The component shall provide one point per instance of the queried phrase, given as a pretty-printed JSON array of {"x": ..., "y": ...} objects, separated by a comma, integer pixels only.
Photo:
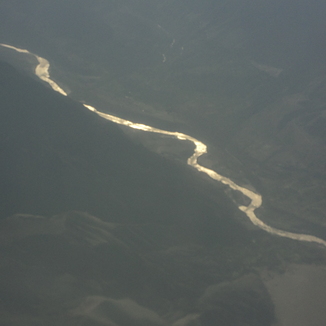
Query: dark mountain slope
[
  {"x": 57, "y": 156},
  {"x": 155, "y": 237},
  {"x": 94, "y": 227},
  {"x": 246, "y": 77}
]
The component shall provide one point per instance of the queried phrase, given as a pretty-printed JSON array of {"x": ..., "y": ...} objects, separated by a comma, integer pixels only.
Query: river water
[{"x": 42, "y": 72}]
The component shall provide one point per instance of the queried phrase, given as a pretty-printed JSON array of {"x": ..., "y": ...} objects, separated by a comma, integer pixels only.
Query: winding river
[{"x": 42, "y": 72}]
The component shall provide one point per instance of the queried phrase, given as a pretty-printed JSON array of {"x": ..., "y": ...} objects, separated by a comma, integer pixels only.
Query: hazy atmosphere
[{"x": 163, "y": 163}]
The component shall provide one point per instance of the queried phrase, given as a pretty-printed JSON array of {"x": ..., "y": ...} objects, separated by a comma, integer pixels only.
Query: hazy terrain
[
  {"x": 245, "y": 77},
  {"x": 113, "y": 228}
]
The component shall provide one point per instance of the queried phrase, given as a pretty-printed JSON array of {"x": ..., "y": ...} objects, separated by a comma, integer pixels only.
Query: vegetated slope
[{"x": 88, "y": 218}]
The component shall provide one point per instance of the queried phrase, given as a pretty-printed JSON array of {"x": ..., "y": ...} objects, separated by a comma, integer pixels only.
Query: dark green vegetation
[
  {"x": 104, "y": 219},
  {"x": 117, "y": 222},
  {"x": 247, "y": 77}
]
